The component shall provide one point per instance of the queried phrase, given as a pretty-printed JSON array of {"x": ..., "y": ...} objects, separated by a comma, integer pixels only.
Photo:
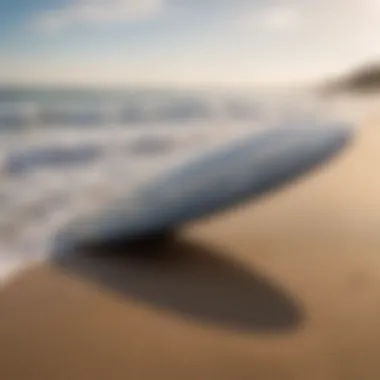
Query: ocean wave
[
  {"x": 70, "y": 110},
  {"x": 22, "y": 115}
]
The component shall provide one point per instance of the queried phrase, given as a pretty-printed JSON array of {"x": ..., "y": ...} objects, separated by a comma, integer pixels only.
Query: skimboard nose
[{"x": 209, "y": 183}]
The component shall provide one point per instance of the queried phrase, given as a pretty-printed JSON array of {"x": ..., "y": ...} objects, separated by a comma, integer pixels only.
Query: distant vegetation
[{"x": 365, "y": 79}]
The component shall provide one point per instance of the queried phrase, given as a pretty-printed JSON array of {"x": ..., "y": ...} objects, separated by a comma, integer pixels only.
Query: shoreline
[{"x": 284, "y": 288}]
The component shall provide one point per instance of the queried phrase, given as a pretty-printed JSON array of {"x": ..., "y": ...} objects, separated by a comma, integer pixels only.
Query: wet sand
[{"x": 284, "y": 288}]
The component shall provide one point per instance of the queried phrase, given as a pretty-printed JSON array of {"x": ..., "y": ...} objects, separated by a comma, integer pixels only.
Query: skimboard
[{"x": 208, "y": 183}]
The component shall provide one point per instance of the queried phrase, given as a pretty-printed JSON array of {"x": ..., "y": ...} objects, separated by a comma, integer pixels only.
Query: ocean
[{"x": 66, "y": 151}]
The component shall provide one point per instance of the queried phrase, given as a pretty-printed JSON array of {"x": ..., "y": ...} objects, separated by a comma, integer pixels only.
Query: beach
[{"x": 287, "y": 287}]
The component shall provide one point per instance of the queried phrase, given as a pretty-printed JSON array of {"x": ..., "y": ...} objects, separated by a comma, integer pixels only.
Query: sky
[{"x": 185, "y": 42}]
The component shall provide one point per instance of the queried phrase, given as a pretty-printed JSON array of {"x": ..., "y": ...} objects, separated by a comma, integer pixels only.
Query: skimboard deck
[{"x": 209, "y": 183}]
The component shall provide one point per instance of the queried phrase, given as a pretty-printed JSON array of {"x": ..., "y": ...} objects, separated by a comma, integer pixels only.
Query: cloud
[
  {"x": 99, "y": 12},
  {"x": 272, "y": 18},
  {"x": 280, "y": 18}
]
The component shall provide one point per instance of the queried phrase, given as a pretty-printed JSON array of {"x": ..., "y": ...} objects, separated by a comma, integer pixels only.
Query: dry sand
[{"x": 285, "y": 288}]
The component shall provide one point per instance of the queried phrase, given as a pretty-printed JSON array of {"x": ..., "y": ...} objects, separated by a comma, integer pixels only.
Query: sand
[{"x": 284, "y": 288}]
